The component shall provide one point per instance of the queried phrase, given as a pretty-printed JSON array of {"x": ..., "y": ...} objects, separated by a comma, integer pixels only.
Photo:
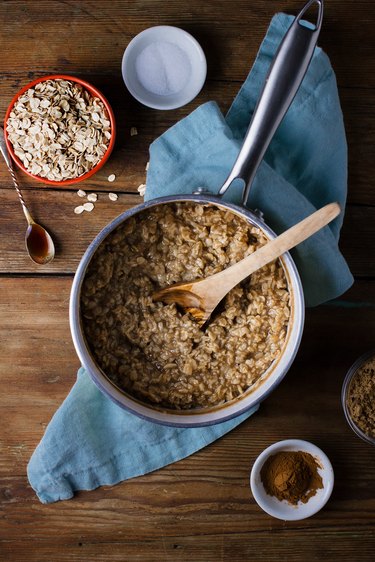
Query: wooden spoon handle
[{"x": 231, "y": 276}]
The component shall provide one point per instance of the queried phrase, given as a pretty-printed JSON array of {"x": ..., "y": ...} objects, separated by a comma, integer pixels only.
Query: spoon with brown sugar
[{"x": 202, "y": 296}]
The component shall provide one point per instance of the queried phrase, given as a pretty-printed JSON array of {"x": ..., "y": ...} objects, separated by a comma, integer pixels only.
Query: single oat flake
[
  {"x": 112, "y": 177},
  {"x": 133, "y": 131},
  {"x": 88, "y": 207},
  {"x": 78, "y": 210},
  {"x": 113, "y": 196},
  {"x": 141, "y": 189},
  {"x": 81, "y": 193},
  {"x": 92, "y": 197}
]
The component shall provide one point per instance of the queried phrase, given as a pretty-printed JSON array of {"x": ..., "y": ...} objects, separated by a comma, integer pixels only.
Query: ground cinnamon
[{"x": 291, "y": 476}]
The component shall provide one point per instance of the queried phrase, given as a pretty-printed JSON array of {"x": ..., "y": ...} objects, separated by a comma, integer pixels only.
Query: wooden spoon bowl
[{"x": 202, "y": 296}]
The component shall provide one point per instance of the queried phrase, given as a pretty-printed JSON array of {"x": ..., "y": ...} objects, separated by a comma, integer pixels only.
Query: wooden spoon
[{"x": 201, "y": 297}]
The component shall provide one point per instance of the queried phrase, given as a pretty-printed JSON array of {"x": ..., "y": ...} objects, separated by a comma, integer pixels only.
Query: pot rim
[{"x": 199, "y": 417}]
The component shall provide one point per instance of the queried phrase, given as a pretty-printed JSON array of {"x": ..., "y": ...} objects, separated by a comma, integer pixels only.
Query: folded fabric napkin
[{"x": 91, "y": 441}]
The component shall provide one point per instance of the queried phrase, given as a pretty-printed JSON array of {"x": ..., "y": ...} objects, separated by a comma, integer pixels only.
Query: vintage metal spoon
[
  {"x": 39, "y": 243},
  {"x": 201, "y": 297}
]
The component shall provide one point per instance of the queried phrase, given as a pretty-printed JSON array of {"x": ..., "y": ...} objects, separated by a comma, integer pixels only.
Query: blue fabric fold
[
  {"x": 91, "y": 441},
  {"x": 305, "y": 166}
]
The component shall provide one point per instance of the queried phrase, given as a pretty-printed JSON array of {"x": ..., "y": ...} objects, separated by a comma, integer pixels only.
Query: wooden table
[{"x": 201, "y": 508}]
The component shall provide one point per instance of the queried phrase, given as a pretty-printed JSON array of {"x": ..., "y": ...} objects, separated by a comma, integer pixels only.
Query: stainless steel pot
[{"x": 283, "y": 80}]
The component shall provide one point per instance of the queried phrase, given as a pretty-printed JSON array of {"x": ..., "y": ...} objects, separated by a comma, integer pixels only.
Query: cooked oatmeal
[{"x": 154, "y": 351}]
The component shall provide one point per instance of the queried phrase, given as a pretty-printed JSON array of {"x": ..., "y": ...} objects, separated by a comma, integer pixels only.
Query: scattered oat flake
[
  {"x": 88, "y": 206},
  {"x": 92, "y": 197},
  {"x": 81, "y": 193},
  {"x": 147, "y": 166},
  {"x": 141, "y": 189},
  {"x": 133, "y": 131},
  {"x": 78, "y": 210},
  {"x": 113, "y": 196},
  {"x": 112, "y": 177}
]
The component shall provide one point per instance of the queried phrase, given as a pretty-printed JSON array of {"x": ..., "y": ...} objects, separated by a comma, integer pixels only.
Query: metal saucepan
[{"x": 283, "y": 80}]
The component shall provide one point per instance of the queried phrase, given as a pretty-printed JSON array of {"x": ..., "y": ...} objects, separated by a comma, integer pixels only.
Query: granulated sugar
[{"x": 163, "y": 68}]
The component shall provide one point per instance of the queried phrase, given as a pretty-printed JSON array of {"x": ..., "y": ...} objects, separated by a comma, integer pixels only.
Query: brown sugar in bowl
[
  {"x": 95, "y": 93},
  {"x": 362, "y": 409}
]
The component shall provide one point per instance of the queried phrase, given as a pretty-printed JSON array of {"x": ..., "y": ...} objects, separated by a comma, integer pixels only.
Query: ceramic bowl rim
[
  {"x": 345, "y": 387},
  {"x": 92, "y": 90},
  {"x": 155, "y": 101},
  {"x": 283, "y": 510}
]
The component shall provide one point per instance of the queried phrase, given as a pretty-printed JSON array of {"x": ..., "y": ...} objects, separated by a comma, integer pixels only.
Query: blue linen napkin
[
  {"x": 304, "y": 168},
  {"x": 91, "y": 441}
]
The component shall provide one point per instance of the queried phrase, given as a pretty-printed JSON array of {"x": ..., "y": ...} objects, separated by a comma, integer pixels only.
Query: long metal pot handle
[{"x": 282, "y": 82}]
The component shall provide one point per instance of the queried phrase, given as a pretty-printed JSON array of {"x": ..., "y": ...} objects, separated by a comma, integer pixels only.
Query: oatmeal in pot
[{"x": 154, "y": 351}]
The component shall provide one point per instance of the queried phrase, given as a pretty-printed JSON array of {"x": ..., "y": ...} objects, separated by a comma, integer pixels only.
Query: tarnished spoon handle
[
  {"x": 4, "y": 150},
  {"x": 8, "y": 161},
  {"x": 282, "y": 82}
]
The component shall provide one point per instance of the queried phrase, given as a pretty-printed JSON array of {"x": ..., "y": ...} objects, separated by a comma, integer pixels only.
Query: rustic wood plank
[
  {"x": 219, "y": 471},
  {"x": 55, "y": 211},
  {"x": 205, "y": 496},
  {"x": 224, "y": 40},
  {"x": 73, "y": 233},
  {"x": 53, "y": 41},
  {"x": 357, "y": 240},
  {"x": 201, "y": 508},
  {"x": 34, "y": 331},
  {"x": 333, "y": 544},
  {"x": 131, "y": 153}
]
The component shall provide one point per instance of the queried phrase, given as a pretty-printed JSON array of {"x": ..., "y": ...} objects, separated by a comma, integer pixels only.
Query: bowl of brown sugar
[
  {"x": 358, "y": 397},
  {"x": 292, "y": 479}
]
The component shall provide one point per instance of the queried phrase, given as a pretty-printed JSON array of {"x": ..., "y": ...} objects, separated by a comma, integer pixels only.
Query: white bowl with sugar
[{"x": 164, "y": 67}]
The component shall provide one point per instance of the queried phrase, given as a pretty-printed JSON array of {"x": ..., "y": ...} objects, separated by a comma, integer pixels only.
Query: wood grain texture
[
  {"x": 131, "y": 153},
  {"x": 72, "y": 233},
  {"x": 230, "y": 41},
  {"x": 90, "y": 36},
  {"x": 54, "y": 210},
  {"x": 201, "y": 504},
  {"x": 199, "y": 509}
]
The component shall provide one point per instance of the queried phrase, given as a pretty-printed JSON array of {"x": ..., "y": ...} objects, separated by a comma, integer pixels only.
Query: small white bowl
[
  {"x": 181, "y": 60},
  {"x": 282, "y": 509}
]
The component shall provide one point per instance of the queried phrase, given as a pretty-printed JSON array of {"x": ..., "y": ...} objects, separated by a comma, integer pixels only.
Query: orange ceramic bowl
[{"x": 95, "y": 93}]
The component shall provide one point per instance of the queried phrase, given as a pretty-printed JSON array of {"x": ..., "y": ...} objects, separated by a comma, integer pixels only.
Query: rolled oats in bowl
[
  {"x": 155, "y": 352},
  {"x": 58, "y": 129}
]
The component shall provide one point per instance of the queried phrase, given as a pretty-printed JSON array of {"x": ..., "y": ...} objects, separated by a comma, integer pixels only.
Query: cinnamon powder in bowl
[
  {"x": 292, "y": 479},
  {"x": 292, "y": 476}
]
